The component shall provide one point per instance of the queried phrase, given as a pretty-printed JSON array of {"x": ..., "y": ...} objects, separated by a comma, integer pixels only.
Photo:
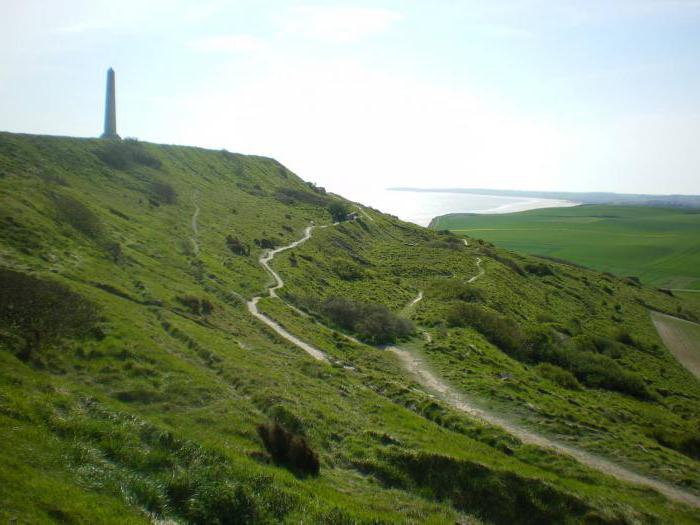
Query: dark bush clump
[
  {"x": 290, "y": 196},
  {"x": 539, "y": 269},
  {"x": 41, "y": 311},
  {"x": 122, "y": 155},
  {"x": 78, "y": 215},
  {"x": 373, "y": 322},
  {"x": 687, "y": 443},
  {"x": 338, "y": 211},
  {"x": 196, "y": 305},
  {"x": 267, "y": 244},
  {"x": 501, "y": 331},
  {"x": 288, "y": 449},
  {"x": 347, "y": 270},
  {"x": 558, "y": 375},
  {"x": 163, "y": 192},
  {"x": 236, "y": 246},
  {"x": 447, "y": 289}
]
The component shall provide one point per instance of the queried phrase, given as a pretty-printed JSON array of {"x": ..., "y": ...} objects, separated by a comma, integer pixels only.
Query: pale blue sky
[{"x": 581, "y": 96}]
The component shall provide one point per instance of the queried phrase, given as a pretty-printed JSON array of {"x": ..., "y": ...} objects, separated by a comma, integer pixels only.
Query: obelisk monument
[{"x": 110, "y": 109}]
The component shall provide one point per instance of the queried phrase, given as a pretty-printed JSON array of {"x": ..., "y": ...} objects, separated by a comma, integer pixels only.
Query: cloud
[
  {"x": 337, "y": 24},
  {"x": 228, "y": 44}
]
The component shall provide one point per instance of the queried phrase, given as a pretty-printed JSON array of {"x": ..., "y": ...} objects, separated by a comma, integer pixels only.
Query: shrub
[
  {"x": 501, "y": 331},
  {"x": 42, "y": 311},
  {"x": 236, "y": 246},
  {"x": 268, "y": 244},
  {"x": 122, "y": 155},
  {"x": 687, "y": 443},
  {"x": 373, "y": 322},
  {"x": 510, "y": 263},
  {"x": 539, "y": 269},
  {"x": 162, "y": 192},
  {"x": 347, "y": 270},
  {"x": 558, "y": 375},
  {"x": 289, "y": 449},
  {"x": 290, "y": 196},
  {"x": 196, "y": 305},
  {"x": 78, "y": 215},
  {"x": 447, "y": 289},
  {"x": 338, "y": 211}
]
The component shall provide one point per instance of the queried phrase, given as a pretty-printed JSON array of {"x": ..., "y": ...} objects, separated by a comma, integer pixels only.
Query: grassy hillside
[
  {"x": 661, "y": 246},
  {"x": 154, "y": 394}
]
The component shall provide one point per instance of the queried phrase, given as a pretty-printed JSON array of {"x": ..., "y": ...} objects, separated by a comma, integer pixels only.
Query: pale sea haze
[{"x": 420, "y": 207}]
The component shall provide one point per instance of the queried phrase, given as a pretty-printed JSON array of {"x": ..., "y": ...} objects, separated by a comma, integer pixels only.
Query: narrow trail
[
  {"x": 264, "y": 261},
  {"x": 195, "y": 229},
  {"x": 363, "y": 212},
  {"x": 481, "y": 273},
  {"x": 417, "y": 367}
]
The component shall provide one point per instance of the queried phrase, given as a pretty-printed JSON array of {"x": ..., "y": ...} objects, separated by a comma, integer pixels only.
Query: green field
[
  {"x": 660, "y": 246},
  {"x": 151, "y": 412}
]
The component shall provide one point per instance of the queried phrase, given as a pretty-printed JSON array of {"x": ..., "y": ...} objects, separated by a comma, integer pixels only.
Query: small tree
[
  {"x": 42, "y": 311},
  {"x": 338, "y": 211}
]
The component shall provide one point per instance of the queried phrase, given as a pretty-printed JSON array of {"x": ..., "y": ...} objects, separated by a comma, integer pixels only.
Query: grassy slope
[
  {"x": 659, "y": 245},
  {"x": 167, "y": 402}
]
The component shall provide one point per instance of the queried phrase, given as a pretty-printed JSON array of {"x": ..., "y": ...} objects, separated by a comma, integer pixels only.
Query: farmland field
[{"x": 661, "y": 246}]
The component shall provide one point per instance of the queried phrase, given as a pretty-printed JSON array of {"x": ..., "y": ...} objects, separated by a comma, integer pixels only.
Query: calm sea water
[{"x": 420, "y": 207}]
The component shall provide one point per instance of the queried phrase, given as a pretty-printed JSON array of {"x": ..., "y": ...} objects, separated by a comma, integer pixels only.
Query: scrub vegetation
[{"x": 156, "y": 395}]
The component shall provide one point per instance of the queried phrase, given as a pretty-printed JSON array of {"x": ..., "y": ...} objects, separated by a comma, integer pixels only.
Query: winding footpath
[
  {"x": 417, "y": 367},
  {"x": 481, "y": 271},
  {"x": 264, "y": 261},
  {"x": 195, "y": 230}
]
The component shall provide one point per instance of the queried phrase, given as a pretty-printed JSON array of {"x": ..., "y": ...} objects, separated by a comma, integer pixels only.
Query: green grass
[
  {"x": 156, "y": 414},
  {"x": 661, "y": 246}
]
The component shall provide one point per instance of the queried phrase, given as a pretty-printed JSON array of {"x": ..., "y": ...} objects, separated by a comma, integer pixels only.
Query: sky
[{"x": 594, "y": 95}]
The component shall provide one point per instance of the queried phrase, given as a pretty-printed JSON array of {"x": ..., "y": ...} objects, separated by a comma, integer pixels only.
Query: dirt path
[
  {"x": 682, "y": 338},
  {"x": 265, "y": 260},
  {"x": 363, "y": 212},
  {"x": 195, "y": 230},
  {"x": 481, "y": 271},
  {"x": 418, "y": 368}
]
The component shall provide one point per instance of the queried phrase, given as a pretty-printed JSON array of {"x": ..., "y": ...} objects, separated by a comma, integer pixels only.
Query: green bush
[
  {"x": 289, "y": 449},
  {"x": 539, "y": 269},
  {"x": 78, "y": 215},
  {"x": 162, "y": 192},
  {"x": 122, "y": 155},
  {"x": 501, "y": 331},
  {"x": 42, "y": 312},
  {"x": 338, "y": 211},
  {"x": 236, "y": 246},
  {"x": 347, "y": 270},
  {"x": 447, "y": 289},
  {"x": 558, "y": 375},
  {"x": 373, "y": 322}
]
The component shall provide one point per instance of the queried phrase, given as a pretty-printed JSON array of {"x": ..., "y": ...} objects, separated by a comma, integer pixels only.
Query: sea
[{"x": 420, "y": 207}]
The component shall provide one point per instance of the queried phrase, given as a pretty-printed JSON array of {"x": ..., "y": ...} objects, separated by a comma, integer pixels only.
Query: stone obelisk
[{"x": 110, "y": 109}]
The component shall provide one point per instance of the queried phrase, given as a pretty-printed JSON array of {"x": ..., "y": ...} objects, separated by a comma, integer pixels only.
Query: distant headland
[{"x": 672, "y": 201}]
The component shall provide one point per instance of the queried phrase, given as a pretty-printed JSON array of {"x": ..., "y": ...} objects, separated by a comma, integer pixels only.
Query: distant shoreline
[{"x": 671, "y": 201}]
